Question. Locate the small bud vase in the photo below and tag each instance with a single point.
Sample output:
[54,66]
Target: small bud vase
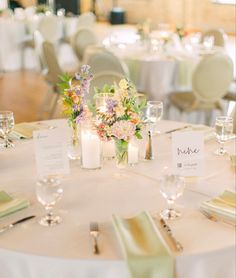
[121,150]
[74,146]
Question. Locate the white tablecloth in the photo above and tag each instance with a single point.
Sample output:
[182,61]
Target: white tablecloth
[32,251]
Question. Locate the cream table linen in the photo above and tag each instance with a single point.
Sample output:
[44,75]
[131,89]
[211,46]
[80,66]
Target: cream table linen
[32,251]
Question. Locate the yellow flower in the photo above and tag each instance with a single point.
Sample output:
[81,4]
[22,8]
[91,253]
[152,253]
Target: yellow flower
[120,111]
[124,85]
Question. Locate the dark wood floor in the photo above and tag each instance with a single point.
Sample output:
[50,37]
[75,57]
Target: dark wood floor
[22,92]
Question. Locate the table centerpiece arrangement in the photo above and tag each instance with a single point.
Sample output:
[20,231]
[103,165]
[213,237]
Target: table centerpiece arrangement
[121,119]
[74,90]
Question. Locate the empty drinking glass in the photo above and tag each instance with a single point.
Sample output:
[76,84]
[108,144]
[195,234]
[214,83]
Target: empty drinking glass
[154,114]
[223,130]
[6,126]
[49,191]
[171,188]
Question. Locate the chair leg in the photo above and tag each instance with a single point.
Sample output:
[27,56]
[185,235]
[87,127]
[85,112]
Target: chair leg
[208,117]
[46,104]
[53,107]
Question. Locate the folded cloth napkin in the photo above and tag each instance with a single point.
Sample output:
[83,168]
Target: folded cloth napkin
[223,205]
[25,130]
[146,252]
[9,205]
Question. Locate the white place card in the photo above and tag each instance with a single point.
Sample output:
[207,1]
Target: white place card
[188,153]
[51,151]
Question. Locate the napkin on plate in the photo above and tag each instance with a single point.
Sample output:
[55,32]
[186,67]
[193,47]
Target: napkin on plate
[146,252]
[10,205]
[25,130]
[223,205]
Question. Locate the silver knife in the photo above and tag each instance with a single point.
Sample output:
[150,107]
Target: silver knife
[177,129]
[8,227]
[178,246]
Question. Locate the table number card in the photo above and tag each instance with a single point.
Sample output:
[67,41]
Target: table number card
[188,153]
[51,152]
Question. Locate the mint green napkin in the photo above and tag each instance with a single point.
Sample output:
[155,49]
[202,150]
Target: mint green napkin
[223,205]
[9,205]
[146,252]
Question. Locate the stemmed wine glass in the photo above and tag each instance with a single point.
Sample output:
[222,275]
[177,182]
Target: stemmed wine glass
[49,191]
[154,114]
[223,130]
[6,126]
[171,188]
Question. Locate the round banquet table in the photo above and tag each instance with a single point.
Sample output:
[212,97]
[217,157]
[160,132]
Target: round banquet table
[32,251]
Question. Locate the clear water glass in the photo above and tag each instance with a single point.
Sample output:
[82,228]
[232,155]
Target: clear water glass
[171,188]
[223,131]
[49,191]
[154,114]
[6,126]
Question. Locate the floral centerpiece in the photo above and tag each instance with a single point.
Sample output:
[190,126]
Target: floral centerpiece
[74,90]
[121,120]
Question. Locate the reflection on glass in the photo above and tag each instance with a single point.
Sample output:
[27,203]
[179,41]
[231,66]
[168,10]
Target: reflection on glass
[171,188]
[154,114]
[223,130]
[49,191]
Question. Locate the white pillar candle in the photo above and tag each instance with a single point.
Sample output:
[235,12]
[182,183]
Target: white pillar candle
[108,149]
[91,149]
[133,153]
[102,109]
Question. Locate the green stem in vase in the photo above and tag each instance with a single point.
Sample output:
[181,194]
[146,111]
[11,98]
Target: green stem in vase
[74,136]
[121,153]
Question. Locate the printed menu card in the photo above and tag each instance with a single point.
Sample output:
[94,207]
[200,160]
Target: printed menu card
[51,151]
[188,153]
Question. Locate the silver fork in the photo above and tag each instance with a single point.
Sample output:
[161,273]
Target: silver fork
[94,232]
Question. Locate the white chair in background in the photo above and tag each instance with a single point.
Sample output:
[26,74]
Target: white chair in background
[102,78]
[83,38]
[231,111]
[87,19]
[52,77]
[218,35]
[38,47]
[210,82]
[51,28]
[103,60]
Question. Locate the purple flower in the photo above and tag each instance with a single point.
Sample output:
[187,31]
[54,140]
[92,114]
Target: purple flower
[111,103]
[79,118]
[85,69]
[75,107]
[78,92]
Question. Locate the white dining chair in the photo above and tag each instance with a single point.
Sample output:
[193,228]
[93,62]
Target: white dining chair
[100,79]
[83,38]
[51,28]
[210,81]
[52,77]
[38,47]
[103,60]
[86,19]
[219,36]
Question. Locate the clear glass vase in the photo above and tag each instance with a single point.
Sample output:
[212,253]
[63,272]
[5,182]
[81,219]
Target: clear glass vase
[121,150]
[74,145]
